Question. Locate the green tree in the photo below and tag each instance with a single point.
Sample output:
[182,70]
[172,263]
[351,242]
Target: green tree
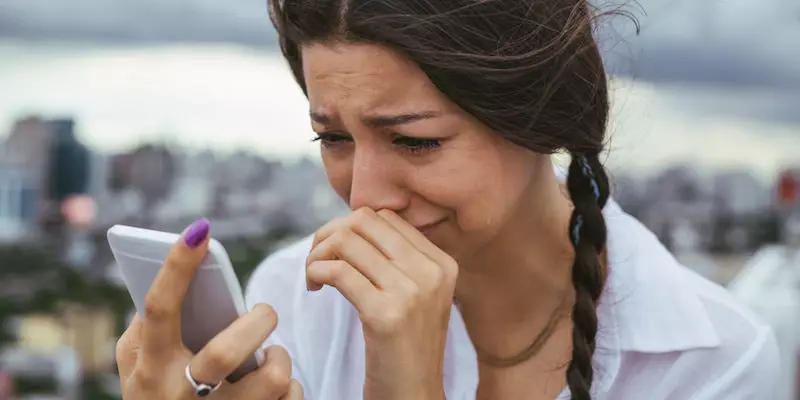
[37,282]
[46,285]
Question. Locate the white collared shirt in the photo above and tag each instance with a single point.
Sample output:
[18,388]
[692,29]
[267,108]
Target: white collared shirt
[665,333]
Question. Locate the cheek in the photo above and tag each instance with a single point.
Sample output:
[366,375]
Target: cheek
[485,194]
[481,194]
[339,175]
[487,206]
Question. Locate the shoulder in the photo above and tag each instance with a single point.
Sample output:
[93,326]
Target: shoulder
[746,362]
[679,334]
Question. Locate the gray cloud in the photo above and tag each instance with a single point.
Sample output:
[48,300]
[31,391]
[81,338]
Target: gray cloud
[761,103]
[137,21]
[718,64]
[746,44]
[746,53]
[724,42]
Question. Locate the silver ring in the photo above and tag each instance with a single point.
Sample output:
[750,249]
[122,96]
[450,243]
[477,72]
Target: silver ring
[200,389]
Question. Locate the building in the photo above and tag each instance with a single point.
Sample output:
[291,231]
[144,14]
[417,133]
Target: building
[57,164]
[678,194]
[308,199]
[18,199]
[739,193]
[29,145]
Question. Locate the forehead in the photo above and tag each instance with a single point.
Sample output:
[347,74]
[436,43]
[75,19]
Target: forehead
[368,77]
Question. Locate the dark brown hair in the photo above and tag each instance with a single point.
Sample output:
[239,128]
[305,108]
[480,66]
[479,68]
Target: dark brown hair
[529,69]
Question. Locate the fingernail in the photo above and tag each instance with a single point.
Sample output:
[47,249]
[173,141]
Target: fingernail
[196,233]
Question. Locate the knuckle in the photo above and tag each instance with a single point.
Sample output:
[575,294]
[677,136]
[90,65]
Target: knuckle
[266,315]
[341,237]
[362,216]
[221,357]
[278,377]
[326,230]
[437,276]
[338,268]
[318,236]
[412,291]
[265,310]
[399,245]
[149,378]
[450,267]
[154,307]
[384,213]
[176,261]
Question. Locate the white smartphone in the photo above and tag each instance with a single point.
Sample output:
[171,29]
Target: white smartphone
[214,299]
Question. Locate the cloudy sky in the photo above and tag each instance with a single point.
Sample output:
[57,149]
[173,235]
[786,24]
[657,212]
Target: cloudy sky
[707,68]
[730,42]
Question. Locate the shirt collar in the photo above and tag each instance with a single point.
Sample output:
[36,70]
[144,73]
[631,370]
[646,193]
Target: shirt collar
[654,307]
[647,305]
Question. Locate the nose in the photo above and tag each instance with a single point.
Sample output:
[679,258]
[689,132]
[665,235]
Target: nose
[376,183]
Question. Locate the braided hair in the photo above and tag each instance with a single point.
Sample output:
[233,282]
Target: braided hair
[588,187]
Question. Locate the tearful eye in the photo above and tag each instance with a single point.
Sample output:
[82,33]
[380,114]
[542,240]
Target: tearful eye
[328,139]
[409,144]
[416,145]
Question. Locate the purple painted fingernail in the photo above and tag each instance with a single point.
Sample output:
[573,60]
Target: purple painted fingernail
[196,233]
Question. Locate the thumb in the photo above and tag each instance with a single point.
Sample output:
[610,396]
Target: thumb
[127,350]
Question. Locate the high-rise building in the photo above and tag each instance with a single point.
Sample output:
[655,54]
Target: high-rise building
[18,196]
[58,164]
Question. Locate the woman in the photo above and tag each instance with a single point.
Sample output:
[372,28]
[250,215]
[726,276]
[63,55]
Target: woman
[469,267]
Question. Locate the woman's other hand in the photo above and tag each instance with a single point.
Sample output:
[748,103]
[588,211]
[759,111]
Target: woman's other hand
[402,286]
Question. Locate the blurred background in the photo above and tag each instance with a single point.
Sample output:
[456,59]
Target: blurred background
[153,113]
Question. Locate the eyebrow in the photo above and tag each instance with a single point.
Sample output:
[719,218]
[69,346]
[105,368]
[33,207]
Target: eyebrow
[382,121]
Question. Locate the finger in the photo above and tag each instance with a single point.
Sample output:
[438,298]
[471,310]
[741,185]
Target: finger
[319,236]
[295,391]
[347,245]
[127,350]
[354,286]
[328,229]
[273,380]
[377,231]
[163,301]
[389,241]
[416,238]
[408,258]
[231,347]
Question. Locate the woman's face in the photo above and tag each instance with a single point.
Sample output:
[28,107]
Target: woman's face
[391,140]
